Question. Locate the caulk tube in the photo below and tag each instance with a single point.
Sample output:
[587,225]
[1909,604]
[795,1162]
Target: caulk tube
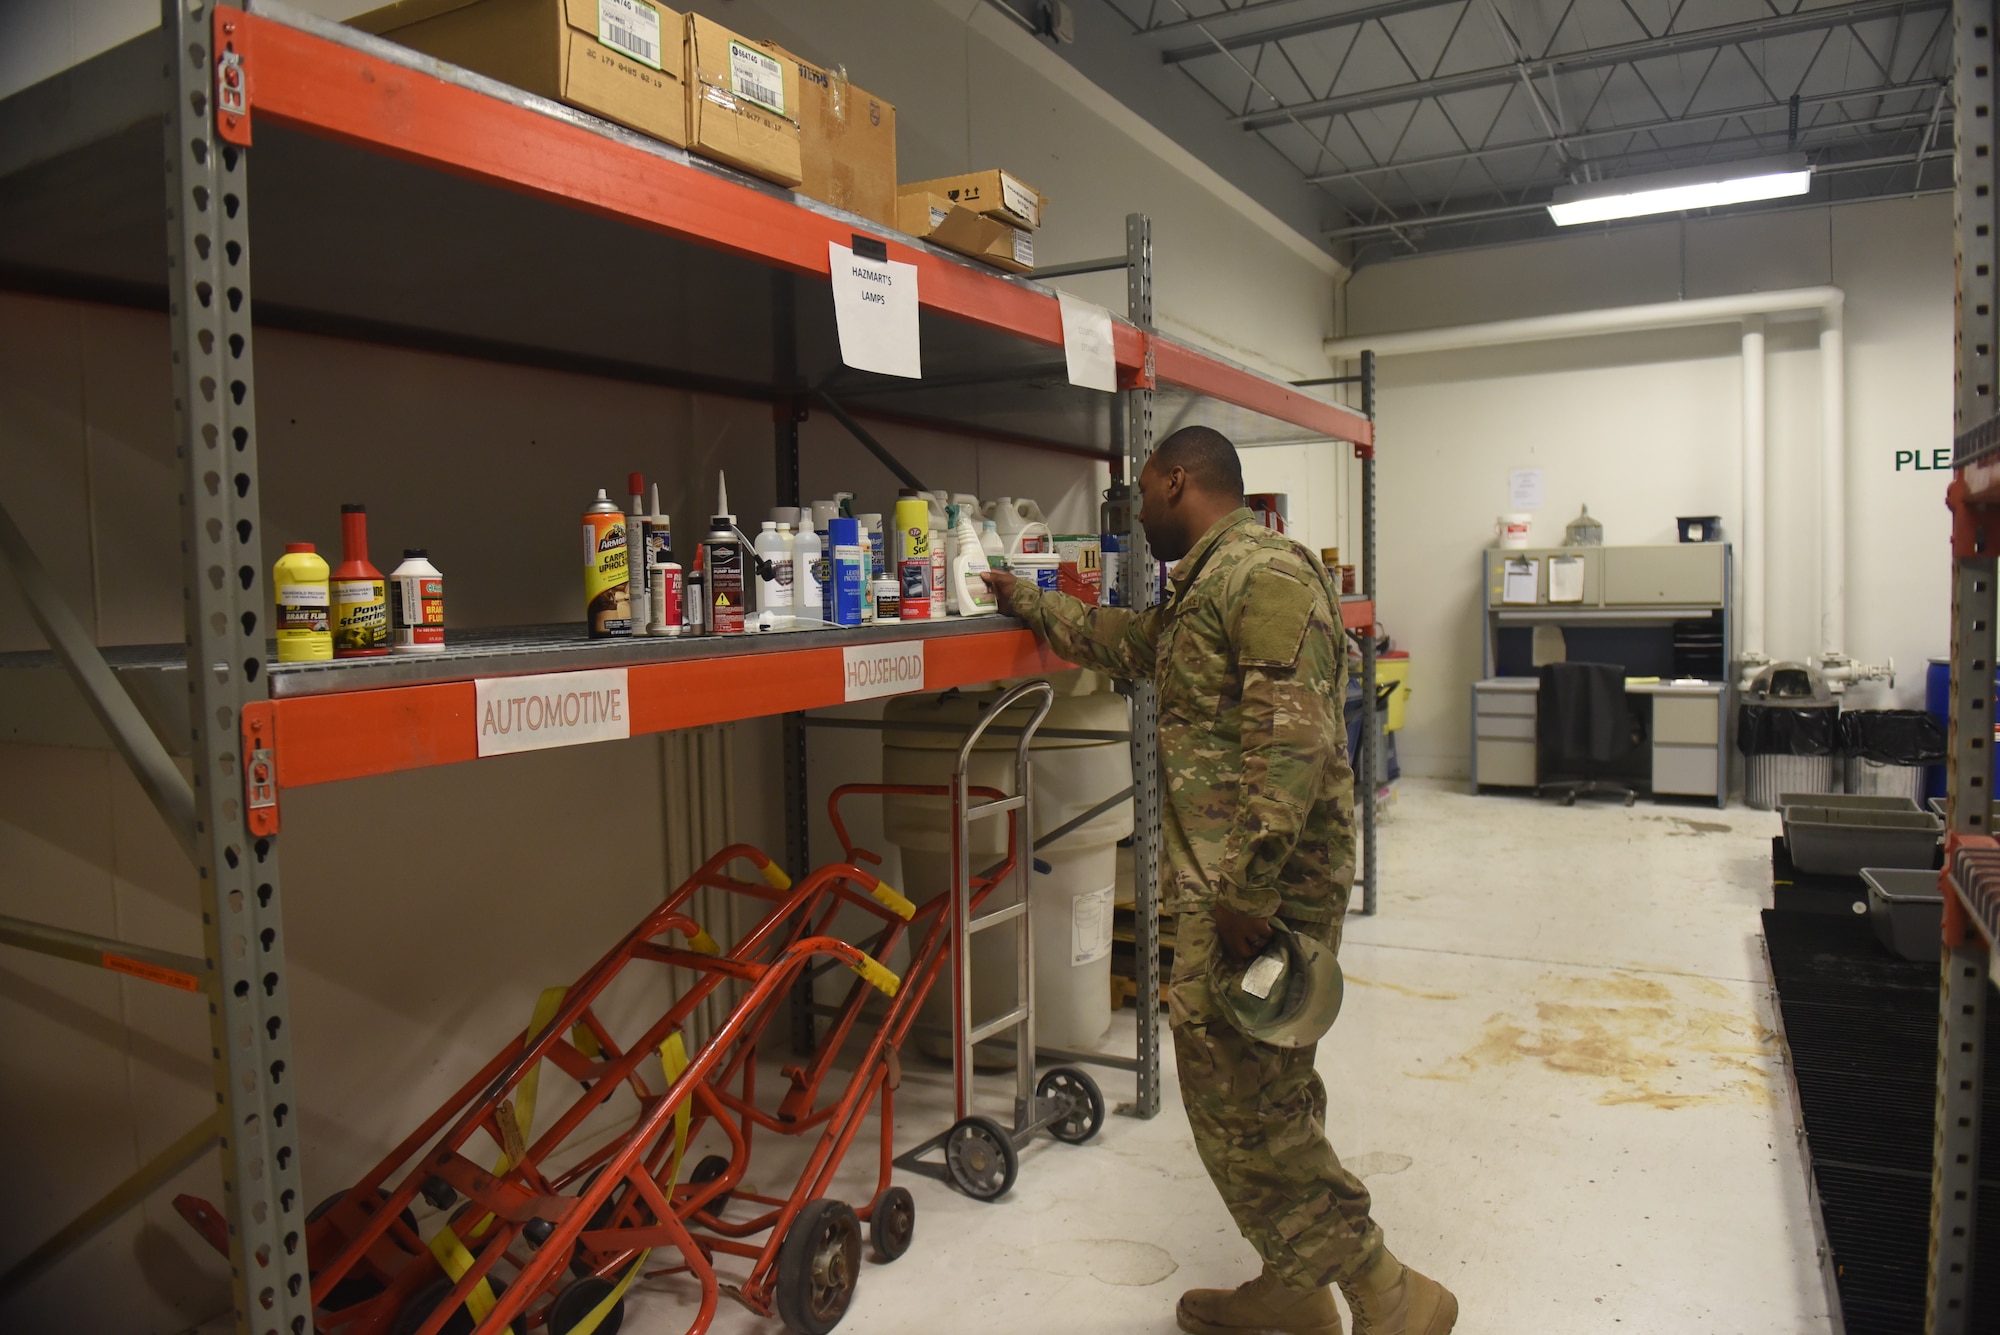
[637,558]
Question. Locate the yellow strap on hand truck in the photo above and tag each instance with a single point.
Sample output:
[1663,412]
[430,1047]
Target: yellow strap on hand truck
[456,1260]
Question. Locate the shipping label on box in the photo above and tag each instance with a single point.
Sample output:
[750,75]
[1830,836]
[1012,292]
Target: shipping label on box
[955,227]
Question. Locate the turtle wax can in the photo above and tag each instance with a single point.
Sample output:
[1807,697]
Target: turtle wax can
[606,575]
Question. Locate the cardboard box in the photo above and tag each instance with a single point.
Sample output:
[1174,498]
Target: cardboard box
[619,59]
[955,227]
[743,102]
[996,194]
[847,143]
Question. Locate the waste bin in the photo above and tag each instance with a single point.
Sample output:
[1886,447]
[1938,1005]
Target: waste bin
[1885,750]
[1788,728]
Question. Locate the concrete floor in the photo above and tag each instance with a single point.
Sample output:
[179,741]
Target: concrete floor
[1556,1070]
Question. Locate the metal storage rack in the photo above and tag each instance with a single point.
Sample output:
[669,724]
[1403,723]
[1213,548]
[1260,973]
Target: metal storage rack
[458,174]
[1971,955]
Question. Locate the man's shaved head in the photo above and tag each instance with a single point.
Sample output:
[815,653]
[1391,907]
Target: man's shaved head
[1207,456]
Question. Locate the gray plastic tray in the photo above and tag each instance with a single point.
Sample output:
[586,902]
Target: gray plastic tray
[1848,801]
[1833,841]
[1906,909]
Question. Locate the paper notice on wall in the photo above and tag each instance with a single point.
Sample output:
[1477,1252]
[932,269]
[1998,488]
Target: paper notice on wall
[871,671]
[553,709]
[1087,344]
[1524,489]
[1090,927]
[875,309]
[1521,584]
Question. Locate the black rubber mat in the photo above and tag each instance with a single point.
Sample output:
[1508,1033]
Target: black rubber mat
[1860,1025]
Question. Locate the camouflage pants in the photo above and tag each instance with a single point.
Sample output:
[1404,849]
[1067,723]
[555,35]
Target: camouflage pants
[1259,1118]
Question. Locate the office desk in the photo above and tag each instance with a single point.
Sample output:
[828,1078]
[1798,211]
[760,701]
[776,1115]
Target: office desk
[1688,736]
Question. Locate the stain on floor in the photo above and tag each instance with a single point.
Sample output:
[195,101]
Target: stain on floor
[1634,1038]
[1118,1261]
[1377,1163]
[1357,981]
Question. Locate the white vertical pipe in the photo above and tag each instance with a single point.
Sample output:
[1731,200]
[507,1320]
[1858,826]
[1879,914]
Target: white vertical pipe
[1753,487]
[1832,486]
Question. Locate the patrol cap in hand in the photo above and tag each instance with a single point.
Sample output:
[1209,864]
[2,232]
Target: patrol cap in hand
[1288,996]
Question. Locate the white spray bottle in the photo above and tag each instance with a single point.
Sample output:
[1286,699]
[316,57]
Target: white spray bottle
[970,595]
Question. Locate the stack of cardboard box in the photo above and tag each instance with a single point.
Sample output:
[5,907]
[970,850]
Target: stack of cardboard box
[681,78]
[989,215]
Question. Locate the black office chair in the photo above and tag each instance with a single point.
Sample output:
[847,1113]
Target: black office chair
[1585,732]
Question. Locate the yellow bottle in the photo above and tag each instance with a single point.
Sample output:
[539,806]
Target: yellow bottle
[299,583]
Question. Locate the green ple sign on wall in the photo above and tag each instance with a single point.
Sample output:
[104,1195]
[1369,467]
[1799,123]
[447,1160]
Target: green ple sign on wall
[1924,461]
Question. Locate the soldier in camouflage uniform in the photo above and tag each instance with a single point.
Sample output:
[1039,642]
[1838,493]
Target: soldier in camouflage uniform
[1248,657]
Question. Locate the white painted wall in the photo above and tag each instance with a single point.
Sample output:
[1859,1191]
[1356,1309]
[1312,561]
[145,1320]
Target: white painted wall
[1645,427]
[424,909]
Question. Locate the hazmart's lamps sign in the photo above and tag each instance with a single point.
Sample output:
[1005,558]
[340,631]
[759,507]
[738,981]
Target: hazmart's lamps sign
[871,671]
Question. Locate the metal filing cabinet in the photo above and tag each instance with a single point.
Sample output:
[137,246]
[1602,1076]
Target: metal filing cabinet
[1503,730]
[1687,760]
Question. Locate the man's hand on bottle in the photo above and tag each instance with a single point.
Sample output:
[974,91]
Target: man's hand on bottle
[1002,585]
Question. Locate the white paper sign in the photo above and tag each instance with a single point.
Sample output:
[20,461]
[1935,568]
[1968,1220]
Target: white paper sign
[875,308]
[872,671]
[1524,489]
[553,709]
[1087,344]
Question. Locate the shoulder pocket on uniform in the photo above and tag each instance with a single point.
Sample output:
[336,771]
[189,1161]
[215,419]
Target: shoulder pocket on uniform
[1277,608]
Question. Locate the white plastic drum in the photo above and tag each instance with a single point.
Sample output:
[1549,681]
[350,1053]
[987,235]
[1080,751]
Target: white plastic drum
[1070,909]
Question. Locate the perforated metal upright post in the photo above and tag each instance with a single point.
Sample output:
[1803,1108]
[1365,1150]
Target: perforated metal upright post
[208,294]
[1371,722]
[1139,577]
[1963,962]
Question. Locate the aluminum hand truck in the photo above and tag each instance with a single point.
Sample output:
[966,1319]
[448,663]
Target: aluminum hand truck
[980,1157]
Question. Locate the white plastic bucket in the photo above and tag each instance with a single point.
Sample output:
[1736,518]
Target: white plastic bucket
[1044,568]
[1513,529]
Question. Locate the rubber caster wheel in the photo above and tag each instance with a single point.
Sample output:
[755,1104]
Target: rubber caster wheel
[1630,799]
[708,1170]
[578,1301]
[412,1315]
[580,1264]
[818,1264]
[1569,801]
[892,1222]
[980,1158]
[356,1286]
[1084,1100]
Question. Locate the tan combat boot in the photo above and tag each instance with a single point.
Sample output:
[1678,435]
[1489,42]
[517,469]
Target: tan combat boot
[1392,1299]
[1264,1306]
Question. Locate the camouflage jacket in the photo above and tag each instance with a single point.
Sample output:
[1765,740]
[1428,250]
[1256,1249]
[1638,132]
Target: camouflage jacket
[1249,660]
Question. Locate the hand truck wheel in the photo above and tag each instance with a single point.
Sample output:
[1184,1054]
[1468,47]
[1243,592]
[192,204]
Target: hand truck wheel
[357,1285]
[578,1301]
[892,1222]
[579,1262]
[980,1158]
[1084,1115]
[818,1264]
[708,1170]
[411,1316]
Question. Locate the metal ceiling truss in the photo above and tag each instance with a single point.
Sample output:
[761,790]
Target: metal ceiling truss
[1439,124]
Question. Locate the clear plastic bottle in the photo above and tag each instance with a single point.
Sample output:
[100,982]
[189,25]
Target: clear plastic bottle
[808,607]
[774,595]
[989,543]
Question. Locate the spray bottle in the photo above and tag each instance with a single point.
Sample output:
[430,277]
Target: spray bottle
[969,592]
[606,588]
[360,596]
[913,555]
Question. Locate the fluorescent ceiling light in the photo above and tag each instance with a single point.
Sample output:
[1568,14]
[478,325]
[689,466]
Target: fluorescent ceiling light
[1672,192]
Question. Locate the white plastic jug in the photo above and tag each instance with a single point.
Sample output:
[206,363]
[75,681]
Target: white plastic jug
[1020,525]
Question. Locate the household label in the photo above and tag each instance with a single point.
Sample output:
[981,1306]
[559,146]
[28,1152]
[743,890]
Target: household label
[555,709]
[872,671]
[875,310]
[1090,927]
[632,26]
